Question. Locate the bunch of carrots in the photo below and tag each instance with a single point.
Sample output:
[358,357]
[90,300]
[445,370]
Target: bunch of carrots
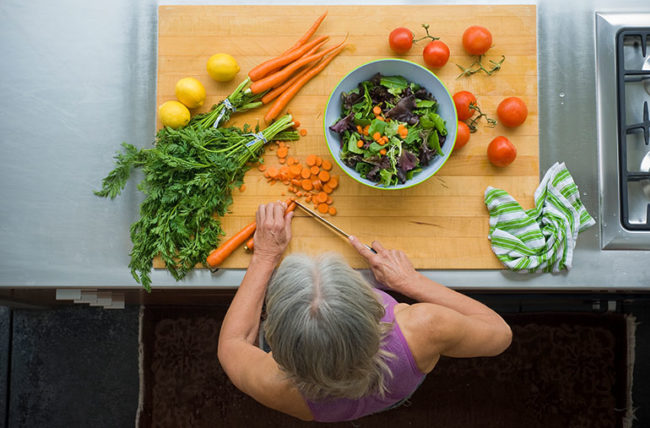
[278,80]
[284,75]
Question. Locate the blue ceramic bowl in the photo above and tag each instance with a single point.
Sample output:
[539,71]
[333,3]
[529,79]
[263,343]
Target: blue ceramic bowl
[413,73]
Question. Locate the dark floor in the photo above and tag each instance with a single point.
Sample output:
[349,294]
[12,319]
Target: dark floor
[77,366]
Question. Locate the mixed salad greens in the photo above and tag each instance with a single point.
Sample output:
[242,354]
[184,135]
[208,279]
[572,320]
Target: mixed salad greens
[389,129]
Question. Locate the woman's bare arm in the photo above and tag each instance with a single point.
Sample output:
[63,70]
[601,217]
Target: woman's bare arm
[460,325]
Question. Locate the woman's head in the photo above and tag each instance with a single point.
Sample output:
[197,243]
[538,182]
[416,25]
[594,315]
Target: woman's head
[323,326]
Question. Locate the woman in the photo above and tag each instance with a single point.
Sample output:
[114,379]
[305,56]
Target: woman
[341,349]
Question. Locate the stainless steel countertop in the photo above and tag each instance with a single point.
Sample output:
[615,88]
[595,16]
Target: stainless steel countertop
[77,78]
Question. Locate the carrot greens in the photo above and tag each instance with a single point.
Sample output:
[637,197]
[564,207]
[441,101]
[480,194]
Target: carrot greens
[188,179]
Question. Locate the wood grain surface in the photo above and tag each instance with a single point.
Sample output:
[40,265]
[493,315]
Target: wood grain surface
[440,224]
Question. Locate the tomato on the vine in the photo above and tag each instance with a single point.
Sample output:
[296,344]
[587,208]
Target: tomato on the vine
[462,135]
[463,100]
[501,152]
[477,40]
[512,112]
[436,54]
[400,40]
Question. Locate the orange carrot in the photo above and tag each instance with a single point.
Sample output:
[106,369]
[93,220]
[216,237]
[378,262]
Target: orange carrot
[276,63]
[307,184]
[323,208]
[332,211]
[273,172]
[327,165]
[281,76]
[275,92]
[321,197]
[359,143]
[376,110]
[311,160]
[282,152]
[262,167]
[303,132]
[324,176]
[308,34]
[220,254]
[281,102]
[333,182]
[314,170]
[250,244]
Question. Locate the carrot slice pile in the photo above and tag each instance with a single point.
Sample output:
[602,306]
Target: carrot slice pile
[311,179]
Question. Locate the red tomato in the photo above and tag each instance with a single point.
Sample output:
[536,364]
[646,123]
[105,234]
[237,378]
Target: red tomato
[463,99]
[501,152]
[512,112]
[400,40]
[436,54]
[477,40]
[462,135]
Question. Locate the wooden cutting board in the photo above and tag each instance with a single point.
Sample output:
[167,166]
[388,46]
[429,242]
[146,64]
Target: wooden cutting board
[440,224]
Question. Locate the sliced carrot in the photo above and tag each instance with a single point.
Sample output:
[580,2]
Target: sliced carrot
[321,197]
[365,129]
[305,173]
[319,161]
[283,152]
[327,165]
[242,187]
[302,132]
[311,160]
[296,182]
[360,143]
[331,210]
[318,185]
[324,176]
[308,197]
[282,160]
[376,136]
[333,182]
[307,185]
[327,188]
[359,129]
[262,167]
[376,110]
[380,118]
[382,152]
[329,200]
[294,170]
[296,124]
[323,208]
[273,172]
[314,170]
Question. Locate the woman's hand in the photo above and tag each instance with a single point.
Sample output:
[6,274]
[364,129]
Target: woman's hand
[390,267]
[273,231]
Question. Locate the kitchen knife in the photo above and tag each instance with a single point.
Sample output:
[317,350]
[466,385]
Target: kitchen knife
[327,223]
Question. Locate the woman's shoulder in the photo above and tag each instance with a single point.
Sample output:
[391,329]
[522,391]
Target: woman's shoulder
[419,325]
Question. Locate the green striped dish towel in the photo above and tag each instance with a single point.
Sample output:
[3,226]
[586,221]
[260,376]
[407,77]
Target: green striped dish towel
[541,238]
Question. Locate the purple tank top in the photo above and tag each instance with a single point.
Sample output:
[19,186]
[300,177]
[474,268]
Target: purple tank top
[405,380]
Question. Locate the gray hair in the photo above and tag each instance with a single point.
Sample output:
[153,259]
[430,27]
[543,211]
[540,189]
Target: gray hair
[323,326]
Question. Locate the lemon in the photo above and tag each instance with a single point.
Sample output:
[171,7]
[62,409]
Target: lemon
[222,67]
[173,114]
[190,92]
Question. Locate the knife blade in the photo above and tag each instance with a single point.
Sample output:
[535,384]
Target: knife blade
[328,224]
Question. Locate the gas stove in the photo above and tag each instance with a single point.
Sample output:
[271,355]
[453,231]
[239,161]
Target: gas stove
[623,97]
